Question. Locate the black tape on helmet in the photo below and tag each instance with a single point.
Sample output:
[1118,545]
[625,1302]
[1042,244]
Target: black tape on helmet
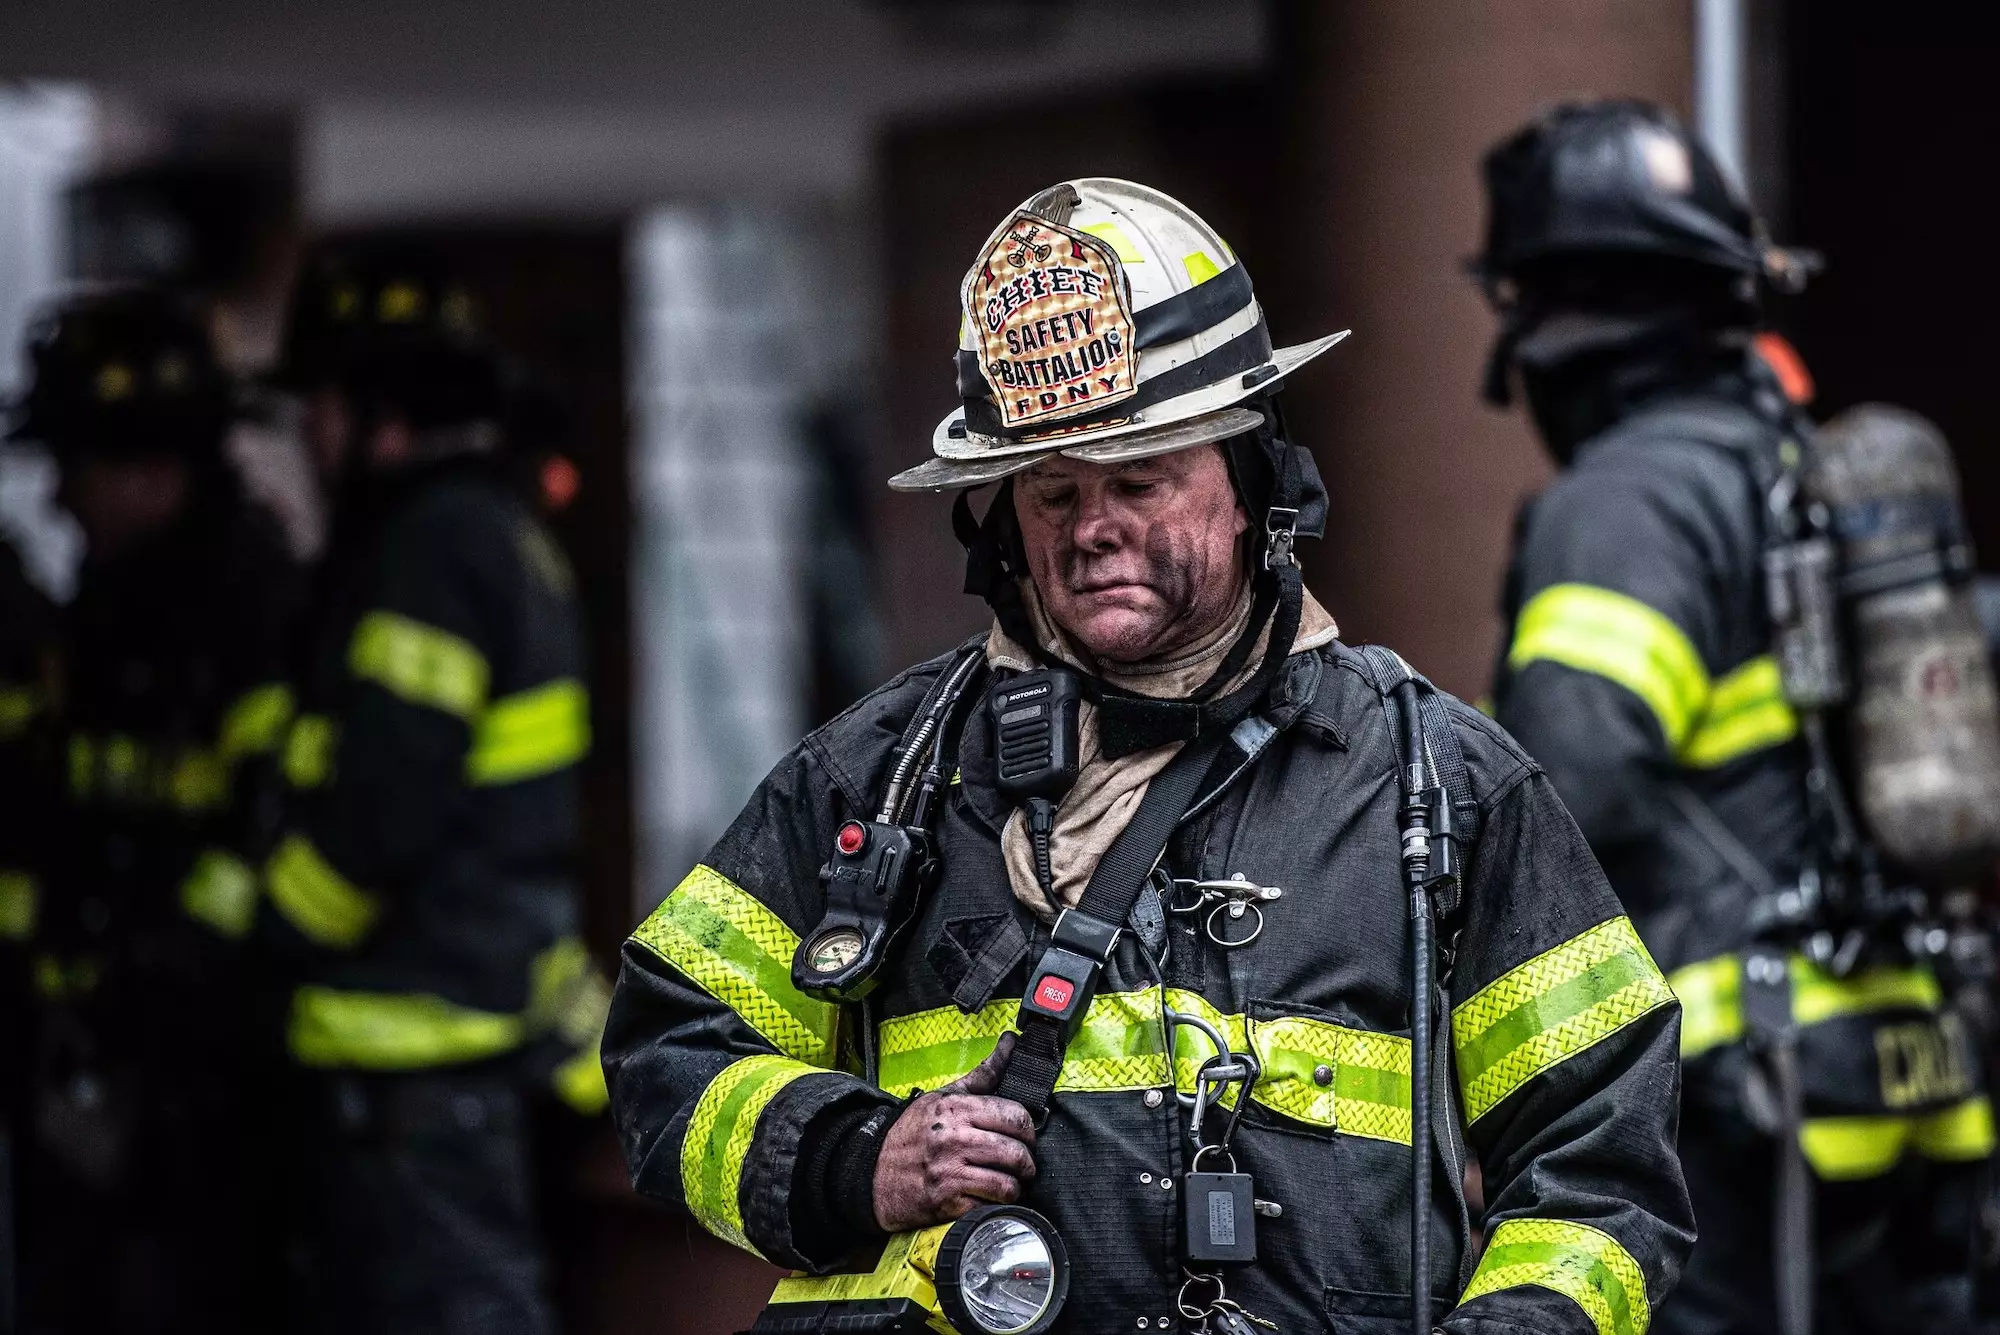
[129,372]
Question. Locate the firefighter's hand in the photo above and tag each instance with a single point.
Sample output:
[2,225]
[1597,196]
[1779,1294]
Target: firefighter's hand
[954,1148]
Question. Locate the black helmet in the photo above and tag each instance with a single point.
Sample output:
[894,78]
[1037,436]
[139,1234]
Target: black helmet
[393,327]
[128,371]
[1611,179]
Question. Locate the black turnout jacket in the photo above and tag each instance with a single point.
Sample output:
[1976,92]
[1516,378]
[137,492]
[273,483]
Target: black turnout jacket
[726,1080]
[424,885]
[1639,672]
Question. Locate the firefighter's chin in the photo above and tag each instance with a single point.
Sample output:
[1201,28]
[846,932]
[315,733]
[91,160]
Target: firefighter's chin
[1117,623]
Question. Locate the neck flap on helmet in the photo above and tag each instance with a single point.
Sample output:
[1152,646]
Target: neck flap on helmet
[1280,486]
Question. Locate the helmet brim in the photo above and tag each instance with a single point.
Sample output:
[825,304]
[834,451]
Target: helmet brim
[1209,414]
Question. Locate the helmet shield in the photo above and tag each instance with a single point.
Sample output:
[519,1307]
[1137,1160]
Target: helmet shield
[1102,311]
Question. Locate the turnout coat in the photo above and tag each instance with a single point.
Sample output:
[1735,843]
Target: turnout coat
[1564,1035]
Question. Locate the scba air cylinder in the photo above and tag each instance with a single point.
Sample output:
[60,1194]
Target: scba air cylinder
[1925,720]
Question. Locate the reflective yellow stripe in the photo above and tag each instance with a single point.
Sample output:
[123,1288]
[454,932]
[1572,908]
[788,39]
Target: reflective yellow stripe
[1200,268]
[1711,994]
[19,897]
[1818,995]
[199,781]
[1842,1149]
[1369,1093]
[1111,234]
[18,707]
[1120,1047]
[1848,1149]
[1584,1264]
[315,898]
[82,765]
[1712,1006]
[579,1082]
[308,757]
[220,890]
[1546,1011]
[1958,1134]
[719,1135]
[394,1031]
[1747,712]
[419,663]
[255,724]
[1616,636]
[529,734]
[740,953]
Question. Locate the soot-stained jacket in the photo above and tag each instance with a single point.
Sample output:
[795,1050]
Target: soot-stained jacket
[1639,672]
[724,1078]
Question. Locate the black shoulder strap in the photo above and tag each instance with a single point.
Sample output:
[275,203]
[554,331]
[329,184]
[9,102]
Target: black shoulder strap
[1061,985]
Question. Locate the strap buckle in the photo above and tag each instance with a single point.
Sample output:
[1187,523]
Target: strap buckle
[1078,931]
[1281,524]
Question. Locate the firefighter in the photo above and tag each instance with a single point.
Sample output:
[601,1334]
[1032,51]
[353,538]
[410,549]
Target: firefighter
[144,1187]
[424,887]
[1639,670]
[807,1103]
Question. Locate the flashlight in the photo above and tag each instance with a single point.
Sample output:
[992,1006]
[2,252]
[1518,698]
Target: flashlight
[999,1270]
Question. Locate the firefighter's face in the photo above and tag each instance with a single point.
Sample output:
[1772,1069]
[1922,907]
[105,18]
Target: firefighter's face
[1137,559]
[118,501]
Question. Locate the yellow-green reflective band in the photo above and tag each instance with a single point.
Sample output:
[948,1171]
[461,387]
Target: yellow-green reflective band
[579,1082]
[1615,635]
[19,897]
[530,734]
[1818,995]
[1711,994]
[1845,1149]
[1556,1005]
[308,756]
[1962,1133]
[394,1031]
[419,663]
[1120,1047]
[220,890]
[719,1135]
[740,953]
[1747,712]
[1369,1094]
[18,707]
[199,781]
[255,724]
[82,765]
[1850,1149]
[315,898]
[1586,1265]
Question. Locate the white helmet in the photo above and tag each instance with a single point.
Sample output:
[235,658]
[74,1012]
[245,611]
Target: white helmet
[1106,321]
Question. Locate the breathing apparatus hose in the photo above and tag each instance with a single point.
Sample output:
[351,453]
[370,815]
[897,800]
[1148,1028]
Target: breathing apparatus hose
[1416,871]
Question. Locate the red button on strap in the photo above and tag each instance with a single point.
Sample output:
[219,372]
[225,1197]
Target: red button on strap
[852,838]
[1054,992]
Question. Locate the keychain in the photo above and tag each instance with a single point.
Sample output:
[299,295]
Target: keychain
[1220,1315]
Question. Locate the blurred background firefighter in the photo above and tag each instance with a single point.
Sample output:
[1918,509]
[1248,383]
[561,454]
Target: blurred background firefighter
[145,1186]
[423,884]
[1676,650]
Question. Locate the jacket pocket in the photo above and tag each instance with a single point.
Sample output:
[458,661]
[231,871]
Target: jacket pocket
[1367,1312]
[1323,1076]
